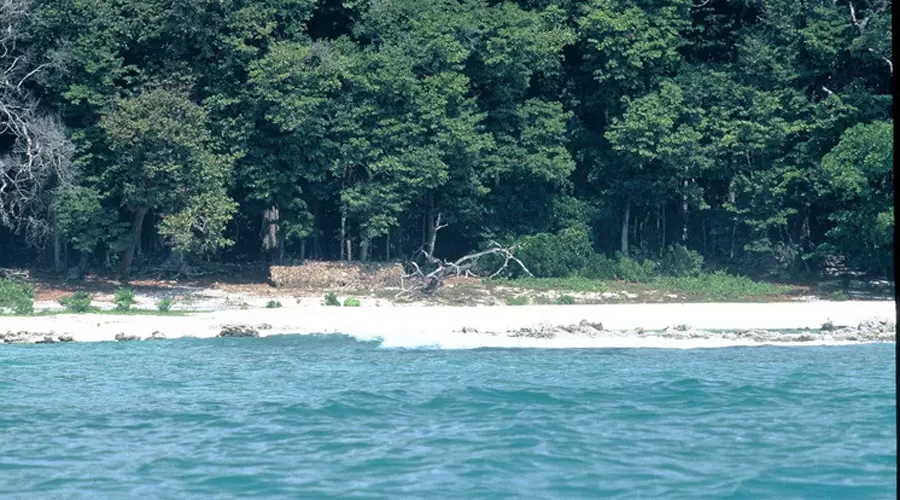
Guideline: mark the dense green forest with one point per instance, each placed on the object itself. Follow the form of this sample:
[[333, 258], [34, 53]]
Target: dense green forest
[[135, 133]]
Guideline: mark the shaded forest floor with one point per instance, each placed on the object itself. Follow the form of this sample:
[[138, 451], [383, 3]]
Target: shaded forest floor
[[247, 286]]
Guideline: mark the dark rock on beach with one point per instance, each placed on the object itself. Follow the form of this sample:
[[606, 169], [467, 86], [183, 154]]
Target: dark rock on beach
[[121, 337], [156, 335], [533, 333], [23, 337], [598, 326], [19, 337], [238, 331]]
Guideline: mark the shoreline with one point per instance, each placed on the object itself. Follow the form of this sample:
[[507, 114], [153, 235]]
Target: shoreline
[[608, 325]]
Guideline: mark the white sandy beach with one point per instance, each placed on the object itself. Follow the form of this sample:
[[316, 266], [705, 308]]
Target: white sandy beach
[[411, 326]]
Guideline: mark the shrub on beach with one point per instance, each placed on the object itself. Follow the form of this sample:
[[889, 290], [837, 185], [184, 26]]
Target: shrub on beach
[[78, 302], [679, 261], [599, 267], [124, 298], [556, 255], [629, 269], [351, 302], [16, 297], [520, 300], [273, 304], [331, 299], [565, 300], [164, 305]]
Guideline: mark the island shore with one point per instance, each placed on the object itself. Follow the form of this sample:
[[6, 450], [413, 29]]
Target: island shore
[[609, 325]]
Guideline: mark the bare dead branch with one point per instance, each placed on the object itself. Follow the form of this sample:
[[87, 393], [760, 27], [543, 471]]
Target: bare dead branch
[[429, 283], [885, 59], [38, 162]]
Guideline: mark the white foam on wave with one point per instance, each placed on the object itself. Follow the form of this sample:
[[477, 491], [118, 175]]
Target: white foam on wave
[[613, 340]]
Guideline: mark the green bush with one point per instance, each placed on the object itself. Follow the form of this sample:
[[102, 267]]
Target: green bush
[[16, 297], [164, 305], [600, 267], [351, 302], [629, 269], [555, 256], [679, 261], [124, 298], [273, 304], [78, 302], [720, 286], [565, 300], [570, 284], [331, 299], [517, 301]]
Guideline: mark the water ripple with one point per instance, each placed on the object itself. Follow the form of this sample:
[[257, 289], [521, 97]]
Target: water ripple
[[328, 416]]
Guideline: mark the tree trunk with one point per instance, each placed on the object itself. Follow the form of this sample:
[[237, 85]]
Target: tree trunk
[[663, 245], [659, 226], [433, 228], [303, 249], [684, 211], [387, 246], [733, 232], [349, 253], [317, 250], [270, 230], [364, 249], [175, 261], [135, 241], [625, 226], [57, 250], [703, 230], [83, 262], [344, 235]]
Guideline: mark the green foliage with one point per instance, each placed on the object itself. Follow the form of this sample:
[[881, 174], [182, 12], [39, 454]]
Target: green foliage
[[273, 304], [571, 284], [680, 261], [858, 173], [78, 302], [719, 286], [600, 267], [166, 161], [519, 300], [83, 220], [16, 297], [124, 298], [630, 269], [565, 300], [351, 302], [555, 256], [164, 305], [331, 299], [759, 132]]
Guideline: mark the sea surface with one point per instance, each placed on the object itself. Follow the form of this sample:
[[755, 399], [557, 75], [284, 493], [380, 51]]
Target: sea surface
[[332, 416]]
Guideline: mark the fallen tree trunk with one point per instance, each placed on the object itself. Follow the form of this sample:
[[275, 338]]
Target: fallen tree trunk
[[423, 283]]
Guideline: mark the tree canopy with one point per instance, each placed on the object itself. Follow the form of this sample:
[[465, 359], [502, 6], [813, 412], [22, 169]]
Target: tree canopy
[[757, 133]]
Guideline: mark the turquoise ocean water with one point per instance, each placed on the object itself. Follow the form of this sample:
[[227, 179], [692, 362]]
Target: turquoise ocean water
[[331, 416]]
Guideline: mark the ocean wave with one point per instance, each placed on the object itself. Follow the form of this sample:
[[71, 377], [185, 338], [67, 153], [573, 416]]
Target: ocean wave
[[669, 339]]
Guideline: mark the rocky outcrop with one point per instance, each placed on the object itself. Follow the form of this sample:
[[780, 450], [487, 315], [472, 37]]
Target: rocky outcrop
[[867, 331], [238, 331], [156, 335], [23, 337], [121, 337]]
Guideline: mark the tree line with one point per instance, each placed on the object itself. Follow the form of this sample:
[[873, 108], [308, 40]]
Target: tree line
[[147, 132]]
